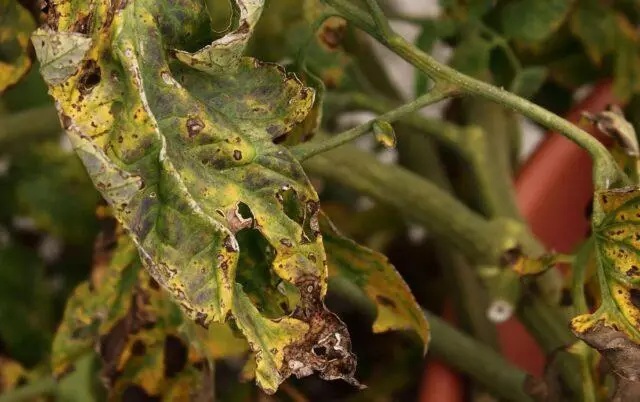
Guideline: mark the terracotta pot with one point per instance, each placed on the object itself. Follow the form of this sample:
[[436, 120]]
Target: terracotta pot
[[554, 191]]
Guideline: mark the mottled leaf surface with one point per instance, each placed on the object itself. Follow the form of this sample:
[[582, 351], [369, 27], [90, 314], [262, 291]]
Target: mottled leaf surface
[[146, 347], [396, 307], [177, 136], [16, 24], [615, 325]]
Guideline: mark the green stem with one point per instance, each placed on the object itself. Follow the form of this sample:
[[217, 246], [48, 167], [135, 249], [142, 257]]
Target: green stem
[[418, 199], [41, 122], [606, 171], [579, 271], [481, 363], [309, 149], [549, 328], [45, 386]]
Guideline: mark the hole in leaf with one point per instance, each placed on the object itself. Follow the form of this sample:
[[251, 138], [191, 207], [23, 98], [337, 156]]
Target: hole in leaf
[[304, 214], [175, 356], [263, 286], [90, 77], [320, 351]]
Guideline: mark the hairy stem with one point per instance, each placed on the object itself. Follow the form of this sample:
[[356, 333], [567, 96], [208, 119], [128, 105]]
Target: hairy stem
[[309, 149], [606, 171]]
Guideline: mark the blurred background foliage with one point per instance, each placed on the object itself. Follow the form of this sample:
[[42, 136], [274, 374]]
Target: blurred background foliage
[[50, 214]]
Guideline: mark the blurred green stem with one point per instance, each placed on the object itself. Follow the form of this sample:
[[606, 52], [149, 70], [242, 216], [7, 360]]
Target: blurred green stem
[[477, 360], [41, 122], [439, 212], [41, 387]]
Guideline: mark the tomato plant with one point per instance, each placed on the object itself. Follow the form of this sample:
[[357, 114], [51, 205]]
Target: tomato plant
[[187, 216]]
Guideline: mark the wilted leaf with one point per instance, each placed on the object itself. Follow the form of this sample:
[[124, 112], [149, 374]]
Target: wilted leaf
[[16, 24], [534, 266], [384, 134], [594, 24], [614, 328], [528, 81], [371, 271], [183, 152], [145, 344], [11, 374], [533, 20], [613, 123]]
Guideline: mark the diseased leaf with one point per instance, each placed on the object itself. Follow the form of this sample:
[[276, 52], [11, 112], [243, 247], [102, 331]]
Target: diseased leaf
[[614, 328], [181, 148], [371, 271], [528, 81], [146, 346], [626, 59], [11, 374], [383, 131], [533, 20], [594, 24], [613, 123], [16, 24]]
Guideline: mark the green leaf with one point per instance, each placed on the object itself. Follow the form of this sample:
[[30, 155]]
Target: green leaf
[[528, 81], [182, 149], [472, 55], [594, 24], [533, 20], [378, 279], [16, 24]]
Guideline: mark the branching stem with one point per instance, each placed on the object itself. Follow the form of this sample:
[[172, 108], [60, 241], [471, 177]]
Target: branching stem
[[606, 171], [306, 150]]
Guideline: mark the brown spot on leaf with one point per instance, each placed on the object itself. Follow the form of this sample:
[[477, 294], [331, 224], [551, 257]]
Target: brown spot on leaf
[[91, 75], [138, 348], [135, 393], [194, 127], [175, 356], [634, 296], [237, 155], [385, 301]]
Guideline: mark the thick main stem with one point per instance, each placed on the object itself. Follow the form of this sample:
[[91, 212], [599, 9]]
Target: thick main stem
[[442, 214]]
